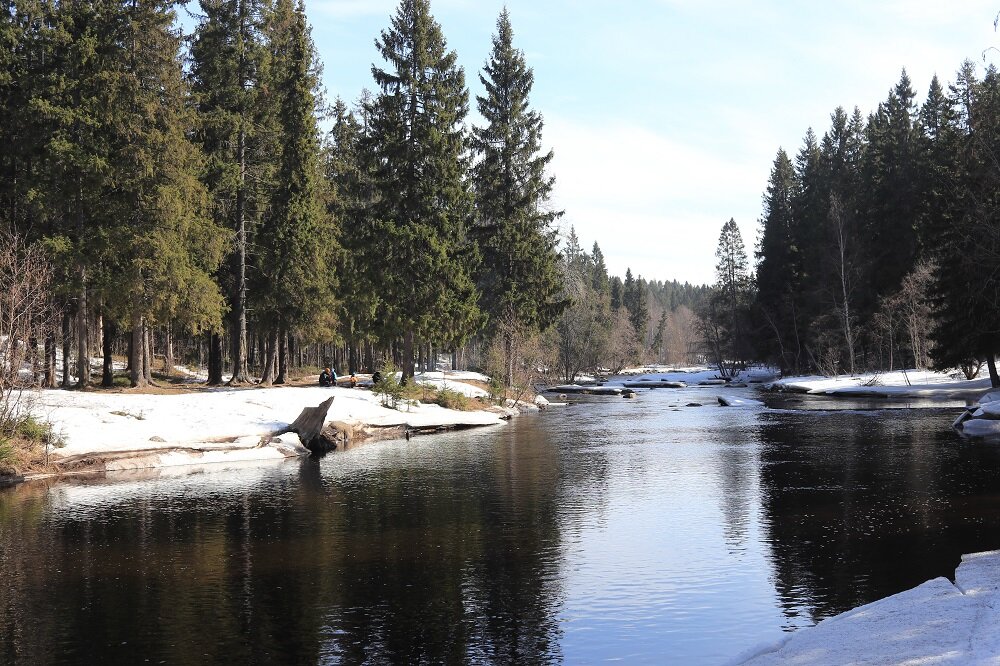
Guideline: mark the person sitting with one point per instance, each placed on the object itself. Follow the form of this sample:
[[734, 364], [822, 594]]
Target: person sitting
[[353, 381], [377, 377], [326, 378]]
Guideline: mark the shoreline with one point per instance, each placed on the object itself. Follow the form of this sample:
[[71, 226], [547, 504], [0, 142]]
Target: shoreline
[[119, 431]]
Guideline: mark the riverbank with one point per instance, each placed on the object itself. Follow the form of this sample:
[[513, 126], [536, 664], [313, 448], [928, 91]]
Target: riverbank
[[895, 384], [938, 622], [109, 431]]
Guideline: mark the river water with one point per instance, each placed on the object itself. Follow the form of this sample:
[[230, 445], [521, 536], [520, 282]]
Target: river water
[[644, 531]]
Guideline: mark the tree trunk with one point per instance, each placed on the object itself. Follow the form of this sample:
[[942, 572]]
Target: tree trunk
[[508, 354], [136, 375], [407, 355], [214, 359], [352, 341], [99, 327], [82, 337], [241, 374], [282, 358], [50, 358], [267, 378], [168, 352], [66, 346], [108, 368], [147, 353], [991, 363]]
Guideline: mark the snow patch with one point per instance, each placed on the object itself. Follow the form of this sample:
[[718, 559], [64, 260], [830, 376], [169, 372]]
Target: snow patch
[[218, 420], [936, 622]]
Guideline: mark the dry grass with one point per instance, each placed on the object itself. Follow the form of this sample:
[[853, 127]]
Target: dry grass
[[20, 455]]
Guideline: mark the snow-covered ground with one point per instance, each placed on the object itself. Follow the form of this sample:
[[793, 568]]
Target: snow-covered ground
[[693, 376], [900, 383], [453, 382], [220, 421], [935, 623]]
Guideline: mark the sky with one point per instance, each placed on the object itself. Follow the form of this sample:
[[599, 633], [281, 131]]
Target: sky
[[665, 115]]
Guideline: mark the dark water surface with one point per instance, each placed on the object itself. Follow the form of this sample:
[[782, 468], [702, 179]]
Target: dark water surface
[[642, 531]]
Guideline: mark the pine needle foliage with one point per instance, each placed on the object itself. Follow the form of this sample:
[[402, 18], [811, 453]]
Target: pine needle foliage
[[422, 204], [519, 273]]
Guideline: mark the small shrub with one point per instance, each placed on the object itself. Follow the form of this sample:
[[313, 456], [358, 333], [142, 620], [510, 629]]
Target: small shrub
[[450, 399], [416, 391], [498, 391], [31, 430], [388, 387]]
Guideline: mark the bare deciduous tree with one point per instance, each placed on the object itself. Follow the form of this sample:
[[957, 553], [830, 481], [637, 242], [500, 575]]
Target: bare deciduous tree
[[26, 316]]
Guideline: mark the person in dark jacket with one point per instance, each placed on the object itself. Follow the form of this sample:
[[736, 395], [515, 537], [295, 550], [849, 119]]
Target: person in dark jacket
[[326, 378]]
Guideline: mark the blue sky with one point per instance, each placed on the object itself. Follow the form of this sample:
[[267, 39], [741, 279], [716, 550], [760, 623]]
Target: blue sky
[[665, 115]]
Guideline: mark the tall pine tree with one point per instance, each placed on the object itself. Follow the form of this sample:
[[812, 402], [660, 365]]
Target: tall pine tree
[[422, 204], [228, 71], [297, 240], [519, 275], [170, 245]]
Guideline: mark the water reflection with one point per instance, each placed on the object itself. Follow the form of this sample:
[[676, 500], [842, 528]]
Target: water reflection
[[408, 564], [639, 530], [858, 506]]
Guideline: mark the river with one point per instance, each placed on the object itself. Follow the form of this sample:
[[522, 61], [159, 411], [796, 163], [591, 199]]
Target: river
[[645, 531]]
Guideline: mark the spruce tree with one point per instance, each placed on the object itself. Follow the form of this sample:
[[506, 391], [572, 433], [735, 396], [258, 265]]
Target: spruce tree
[[966, 239], [599, 279], [892, 200], [24, 54], [634, 300], [76, 118], [422, 203], [229, 61], [349, 203], [725, 310], [170, 245], [519, 274], [778, 268], [297, 241]]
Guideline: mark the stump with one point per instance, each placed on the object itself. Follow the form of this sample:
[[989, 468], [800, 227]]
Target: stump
[[307, 426]]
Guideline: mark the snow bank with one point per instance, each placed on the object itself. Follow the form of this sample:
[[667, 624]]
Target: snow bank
[[982, 419], [221, 419], [897, 384], [697, 375], [934, 623]]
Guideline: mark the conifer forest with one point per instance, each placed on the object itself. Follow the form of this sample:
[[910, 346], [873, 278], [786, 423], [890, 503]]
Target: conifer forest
[[193, 208], [877, 241], [197, 200]]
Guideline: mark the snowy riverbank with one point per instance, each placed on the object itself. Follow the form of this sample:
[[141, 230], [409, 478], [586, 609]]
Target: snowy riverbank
[[136, 430], [895, 384], [937, 622]]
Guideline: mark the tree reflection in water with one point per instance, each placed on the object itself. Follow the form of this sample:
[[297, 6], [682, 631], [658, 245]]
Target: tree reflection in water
[[402, 563], [862, 505], [629, 529]]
